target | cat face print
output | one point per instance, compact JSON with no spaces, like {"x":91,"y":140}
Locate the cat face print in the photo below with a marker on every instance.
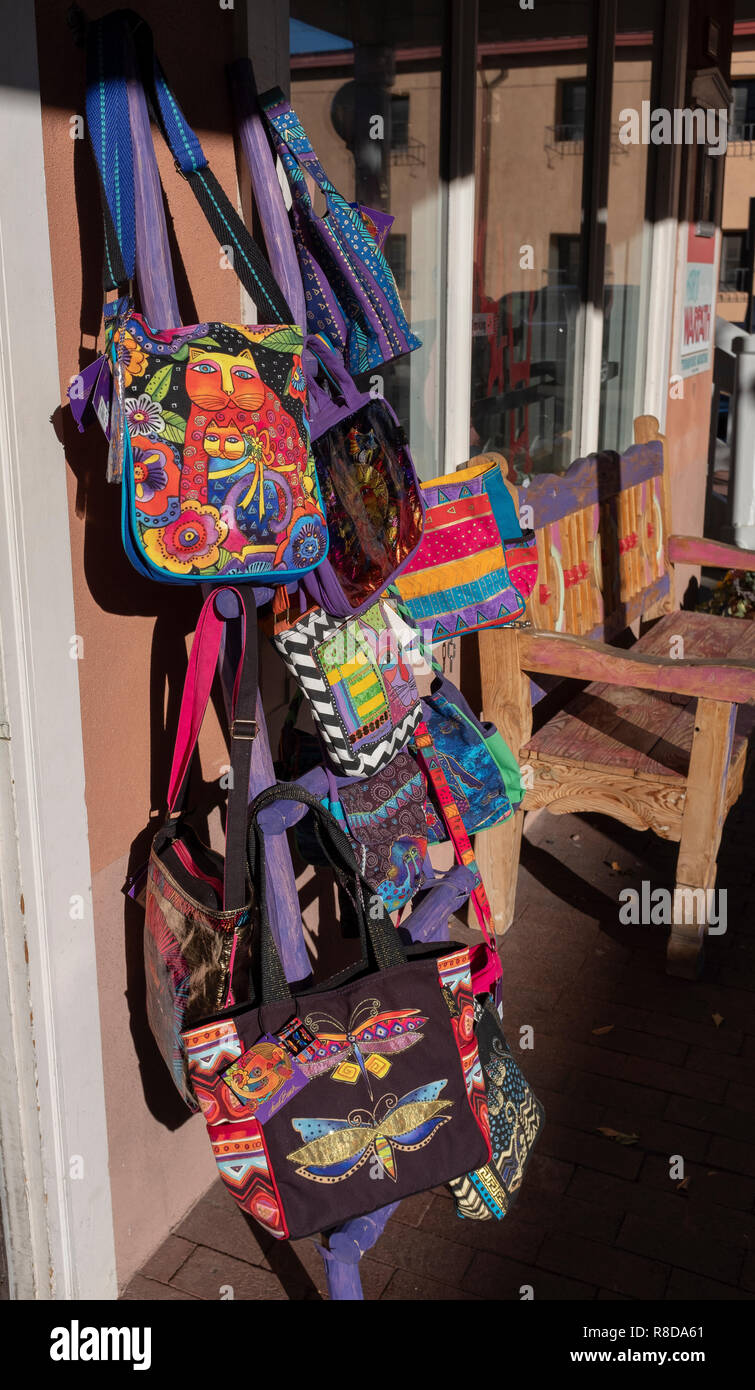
{"x":217,"y":379}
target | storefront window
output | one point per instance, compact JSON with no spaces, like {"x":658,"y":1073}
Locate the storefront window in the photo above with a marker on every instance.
{"x":531,"y":114}
{"x":348,"y":65}
{"x":628,"y":233}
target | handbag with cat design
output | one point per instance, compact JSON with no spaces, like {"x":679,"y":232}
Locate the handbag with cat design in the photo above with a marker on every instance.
{"x":326,"y":1105}
{"x":208,"y":423}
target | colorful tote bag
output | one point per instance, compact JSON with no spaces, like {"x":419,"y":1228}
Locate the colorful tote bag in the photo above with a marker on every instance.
{"x":325,"y":1106}
{"x":373,"y":502}
{"x":459,"y":579}
{"x":516,"y":1121}
{"x":208,"y":426}
{"x":360,"y":688}
{"x":350,"y":290}
{"x":197,"y":921}
{"x":481,"y":770}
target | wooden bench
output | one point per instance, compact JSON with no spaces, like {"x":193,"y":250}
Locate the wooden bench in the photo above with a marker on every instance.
{"x":652,"y":740}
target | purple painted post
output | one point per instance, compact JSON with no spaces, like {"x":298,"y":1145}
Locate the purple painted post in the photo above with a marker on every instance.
{"x":158,"y":297}
{"x":266,"y":188}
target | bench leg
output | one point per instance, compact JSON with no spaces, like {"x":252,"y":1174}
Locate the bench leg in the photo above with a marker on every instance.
{"x":506,"y":701}
{"x":497,"y":854}
{"x":702,"y":824}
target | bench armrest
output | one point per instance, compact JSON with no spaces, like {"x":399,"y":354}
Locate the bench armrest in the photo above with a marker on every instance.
{"x":558,"y":654}
{"x":696,"y":550}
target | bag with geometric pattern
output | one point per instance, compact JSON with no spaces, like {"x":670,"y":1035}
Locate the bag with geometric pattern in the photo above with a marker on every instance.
{"x":516,"y":1120}
{"x":360,"y":688}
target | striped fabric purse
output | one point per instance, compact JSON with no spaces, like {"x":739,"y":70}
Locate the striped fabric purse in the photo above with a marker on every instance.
{"x":474,"y":567}
{"x":360,"y":688}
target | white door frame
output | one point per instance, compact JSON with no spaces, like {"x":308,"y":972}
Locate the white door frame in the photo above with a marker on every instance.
{"x":55,"y":1187}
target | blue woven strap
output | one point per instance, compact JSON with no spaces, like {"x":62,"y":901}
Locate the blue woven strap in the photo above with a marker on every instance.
{"x":116,"y":44}
{"x":110,"y":133}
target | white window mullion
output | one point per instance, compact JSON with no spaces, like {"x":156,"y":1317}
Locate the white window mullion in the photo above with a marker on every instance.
{"x":594,"y":212}
{"x":458,"y":252}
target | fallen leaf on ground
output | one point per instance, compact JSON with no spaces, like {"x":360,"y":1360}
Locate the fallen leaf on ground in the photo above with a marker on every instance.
{"x":682,"y":1186}
{"x":717,"y":1019}
{"x":617,"y":1135}
{"x":609,"y":1027}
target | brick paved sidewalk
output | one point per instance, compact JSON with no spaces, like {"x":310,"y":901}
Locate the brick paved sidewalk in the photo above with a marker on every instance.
{"x":596,"y":1218}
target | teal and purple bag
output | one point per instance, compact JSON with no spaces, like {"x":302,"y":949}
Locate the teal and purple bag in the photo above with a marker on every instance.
{"x":350,"y":290}
{"x":480,"y":768}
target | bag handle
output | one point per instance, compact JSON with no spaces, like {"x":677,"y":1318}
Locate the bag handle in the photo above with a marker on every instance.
{"x":196,"y":694}
{"x":428,"y":756}
{"x":379,"y":939}
{"x":268,"y":194}
{"x":293,"y":145}
{"x":110,"y":43}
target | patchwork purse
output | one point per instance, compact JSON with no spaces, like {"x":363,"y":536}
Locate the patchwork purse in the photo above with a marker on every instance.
{"x":360,"y":688}
{"x":459,"y":579}
{"x":385,"y":819}
{"x":317,"y":1104}
{"x":482,"y":772}
{"x":373,"y":503}
{"x":516,"y":1120}
{"x":349,"y":287}
{"x":197,"y":919}
{"x":208,"y":425}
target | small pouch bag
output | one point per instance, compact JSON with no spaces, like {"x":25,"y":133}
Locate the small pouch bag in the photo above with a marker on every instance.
{"x":375,"y":1075}
{"x":350,"y":289}
{"x":481,"y":770}
{"x":516,"y":1121}
{"x":372,"y":498}
{"x":460,"y":580}
{"x":360,"y":688}
{"x":197,"y":920}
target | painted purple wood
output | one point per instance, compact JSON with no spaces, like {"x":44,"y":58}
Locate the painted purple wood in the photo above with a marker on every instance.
{"x":153,"y":268}
{"x":588,"y":481}
{"x":696,"y":550}
{"x":283,"y":898}
{"x":266,"y":188}
{"x":347,"y":1246}
{"x":157,"y":293}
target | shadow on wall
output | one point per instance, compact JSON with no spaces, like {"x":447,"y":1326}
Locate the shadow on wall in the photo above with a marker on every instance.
{"x":118,"y":589}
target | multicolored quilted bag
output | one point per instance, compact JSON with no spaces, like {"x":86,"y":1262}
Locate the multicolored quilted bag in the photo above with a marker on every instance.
{"x":373,"y":502}
{"x":359,"y":685}
{"x":350,"y":290}
{"x":197,"y":922}
{"x":324,"y":1106}
{"x":208,"y":425}
{"x":516,"y":1120}
{"x":480,"y":768}
{"x":461,"y":578}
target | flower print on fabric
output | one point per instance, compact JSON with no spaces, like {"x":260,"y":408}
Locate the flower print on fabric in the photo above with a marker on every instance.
{"x":297,"y":382}
{"x":192,"y":540}
{"x":133,"y":360}
{"x":144,"y":416}
{"x":150,"y":474}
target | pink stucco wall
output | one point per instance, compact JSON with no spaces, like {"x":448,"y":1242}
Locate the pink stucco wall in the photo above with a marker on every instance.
{"x":134,"y":632}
